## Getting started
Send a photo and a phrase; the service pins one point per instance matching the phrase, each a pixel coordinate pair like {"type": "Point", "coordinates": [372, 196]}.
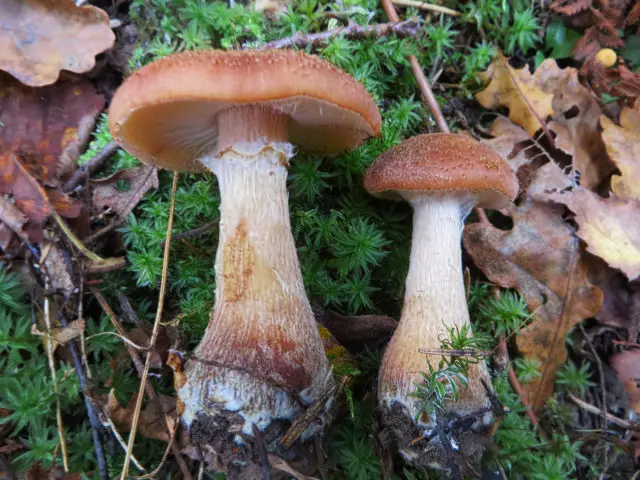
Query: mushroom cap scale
{"type": "Point", "coordinates": [165, 113]}
{"type": "Point", "coordinates": [442, 163]}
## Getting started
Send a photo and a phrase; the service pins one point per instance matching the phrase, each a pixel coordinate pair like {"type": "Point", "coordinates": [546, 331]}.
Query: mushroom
{"type": "Point", "coordinates": [442, 176]}
{"type": "Point", "coordinates": [260, 362]}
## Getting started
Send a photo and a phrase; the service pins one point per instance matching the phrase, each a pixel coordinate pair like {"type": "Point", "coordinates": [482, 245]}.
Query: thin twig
{"type": "Point", "coordinates": [52, 369]}
{"type": "Point", "coordinates": [139, 366]}
{"type": "Point", "coordinates": [427, 6]}
{"type": "Point", "coordinates": [195, 232]}
{"type": "Point", "coordinates": [425, 88]}
{"type": "Point", "coordinates": [122, 443]}
{"type": "Point", "coordinates": [407, 28]}
{"type": "Point", "coordinates": [154, 333]}
{"type": "Point", "coordinates": [597, 411]}
{"type": "Point", "coordinates": [75, 240]}
{"type": "Point", "coordinates": [88, 168]}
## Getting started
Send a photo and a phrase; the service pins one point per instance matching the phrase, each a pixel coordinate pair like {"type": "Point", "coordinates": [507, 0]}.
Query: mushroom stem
{"type": "Point", "coordinates": [261, 357]}
{"type": "Point", "coordinates": [434, 303]}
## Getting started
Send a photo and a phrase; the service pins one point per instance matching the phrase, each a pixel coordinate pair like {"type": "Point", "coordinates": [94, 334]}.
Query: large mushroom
{"type": "Point", "coordinates": [442, 176]}
{"type": "Point", "coordinates": [261, 362]}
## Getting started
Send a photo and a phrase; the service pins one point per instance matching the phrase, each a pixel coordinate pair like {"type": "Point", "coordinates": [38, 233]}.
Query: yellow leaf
{"type": "Point", "coordinates": [623, 146]}
{"type": "Point", "coordinates": [518, 90]}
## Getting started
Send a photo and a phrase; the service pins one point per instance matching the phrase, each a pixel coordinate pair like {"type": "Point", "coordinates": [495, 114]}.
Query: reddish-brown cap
{"type": "Point", "coordinates": [444, 162]}
{"type": "Point", "coordinates": [165, 113]}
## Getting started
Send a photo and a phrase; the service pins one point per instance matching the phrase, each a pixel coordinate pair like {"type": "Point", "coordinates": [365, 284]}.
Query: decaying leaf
{"type": "Point", "coordinates": [529, 101]}
{"type": "Point", "coordinates": [540, 258]}
{"type": "Point", "coordinates": [38, 38]}
{"type": "Point", "coordinates": [150, 425]}
{"type": "Point", "coordinates": [46, 127]}
{"type": "Point", "coordinates": [356, 332]}
{"type": "Point", "coordinates": [623, 146]}
{"type": "Point", "coordinates": [627, 365]}
{"type": "Point", "coordinates": [606, 225]}
{"type": "Point", "coordinates": [57, 267]}
{"type": "Point", "coordinates": [621, 306]}
{"type": "Point", "coordinates": [31, 198]}
{"type": "Point", "coordinates": [61, 335]}
{"type": "Point", "coordinates": [42, 132]}
{"type": "Point", "coordinates": [12, 217]}
{"type": "Point", "coordinates": [122, 191]}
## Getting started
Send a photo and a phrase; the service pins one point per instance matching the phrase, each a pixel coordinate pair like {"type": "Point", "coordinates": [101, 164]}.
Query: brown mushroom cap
{"type": "Point", "coordinates": [443, 162]}
{"type": "Point", "coordinates": [165, 113]}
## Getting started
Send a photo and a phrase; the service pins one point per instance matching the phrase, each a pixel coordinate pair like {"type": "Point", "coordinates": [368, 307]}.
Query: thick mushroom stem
{"type": "Point", "coordinates": [434, 303]}
{"type": "Point", "coordinates": [261, 359]}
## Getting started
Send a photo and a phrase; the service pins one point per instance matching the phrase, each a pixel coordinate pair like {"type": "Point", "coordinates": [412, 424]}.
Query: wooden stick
{"type": "Point", "coordinates": [427, 6]}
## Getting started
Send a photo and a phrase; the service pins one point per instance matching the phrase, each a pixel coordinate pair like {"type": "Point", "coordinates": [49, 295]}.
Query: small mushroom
{"type": "Point", "coordinates": [260, 363]}
{"type": "Point", "coordinates": [443, 176]}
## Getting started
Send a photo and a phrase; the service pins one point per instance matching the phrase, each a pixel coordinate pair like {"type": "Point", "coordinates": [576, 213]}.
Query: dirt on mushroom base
{"type": "Point", "coordinates": [452, 445]}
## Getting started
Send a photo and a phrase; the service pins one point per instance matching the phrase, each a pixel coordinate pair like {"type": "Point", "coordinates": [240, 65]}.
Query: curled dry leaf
{"type": "Point", "coordinates": [38, 38]}
{"type": "Point", "coordinates": [606, 226]}
{"type": "Point", "coordinates": [540, 258]}
{"type": "Point", "coordinates": [512, 88]}
{"type": "Point", "coordinates": [627, 365]}
{"type": "Point", "coordinates": [149, 424]}
{"type": "Point", "coordinates": [122, 191]}
{"type": "Point", "coordinates": [623, 146]}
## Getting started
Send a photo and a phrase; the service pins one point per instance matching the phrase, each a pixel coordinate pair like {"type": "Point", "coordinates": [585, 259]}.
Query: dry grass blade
{"type": "Point", "coordinates": [427, 6]}
{"type": "Point", "coordinates": [52, 368]}
{"type": "Point", "coordinates": [154, 334]}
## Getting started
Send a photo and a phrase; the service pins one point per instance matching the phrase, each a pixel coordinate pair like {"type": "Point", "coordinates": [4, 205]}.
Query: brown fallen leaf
{"type": "Point", "coordinates": [627, 365]}
{"type": "Point", "coordinates": [607, 227]}
{"type": "Point", "coordinates": [138, 181]}
{"type": "Point", "coordinates": [38, 38]}
{"type": "Point", "coordinates": [623, 146]}
{"type": "Point", "coordinates": [621, 306]}
{"type": "Point", "coordinates": [35, 202]}
{"type": "Point", "coordinates": [149, 424]}
{"type": "Point", "coordinates": [576, 117]}
{"type": "Point", "coordinates": [529, 101]}
{"type": "Point", "coordinates": [12, 217]}
{"type": "Point", "coordinates": [46, 127]}
{"type": "Point", "coordinates": [540, 258]}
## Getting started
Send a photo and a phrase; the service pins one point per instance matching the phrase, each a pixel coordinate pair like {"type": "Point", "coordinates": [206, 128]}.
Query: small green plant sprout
{"type": "Point", "coordinates": [239, 114]}
{"type": "Point", "coordinates": [527, 369]}
{"type": "Point", "coordinates": [573, 378]}
{"type": "Point", "coordinates": [435, 300]}
{"type": "Point", "coordinates": [502, 315]}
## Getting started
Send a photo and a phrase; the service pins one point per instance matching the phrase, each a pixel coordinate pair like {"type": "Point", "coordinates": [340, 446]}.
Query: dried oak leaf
{"type": "Point", "coordinates": [540, 258]}
{"type": "Point", "coordinates": [529, 101]}
{"type": "Point", "coordinates": [607, 226]}
{"type": "Point", "coordinates": [627, 365]}
{"type": "Point", "coordinates": [122, 191]}
{"type": "Point", "coordinates": [575, 121]}
{"type": "Point", "coordinates": [150, 425]}
{"type": "Point", "coordinates": [39, 38]}
{"type": "Point", "coordinates": [623, 146]}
